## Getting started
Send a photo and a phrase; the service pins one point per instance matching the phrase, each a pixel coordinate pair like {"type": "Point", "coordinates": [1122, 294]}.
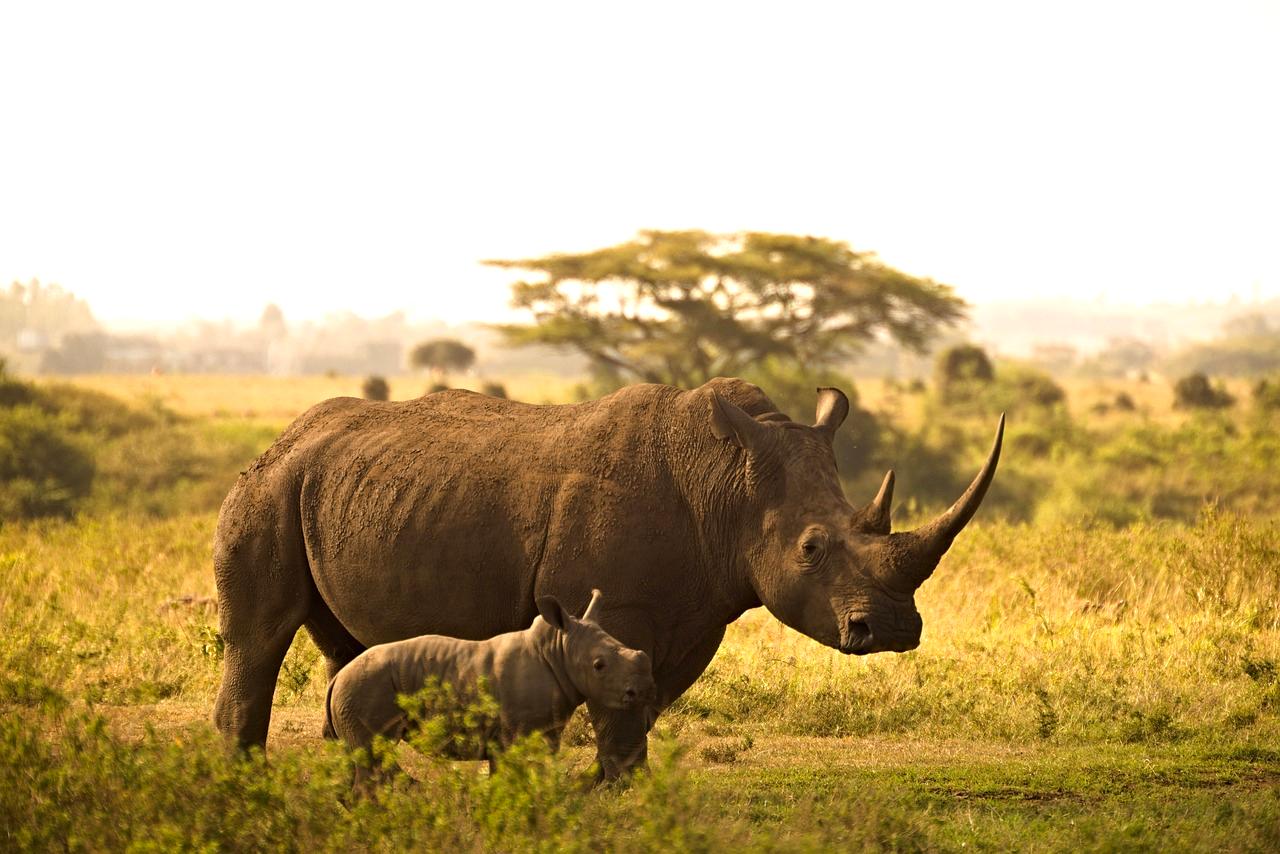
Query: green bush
{"type": "Point", "coordinates": [1266, 395]}
{"type": "Point", "coordinates": [1195, 392]}
{"type": "Point", "coordinates": [65, 448]}
{"type": "Point", "coordinates": [45, 469]}
{"type": "Point", "coordinates": [962, 369]}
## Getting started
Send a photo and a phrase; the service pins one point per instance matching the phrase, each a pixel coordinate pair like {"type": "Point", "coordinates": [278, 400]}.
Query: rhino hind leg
{"type": "Point", "coordinates": [333, 640]}
{"type": "Point", "coordinates": [262, 603]}
{"type": "Point", "coordinates": [242, 711]}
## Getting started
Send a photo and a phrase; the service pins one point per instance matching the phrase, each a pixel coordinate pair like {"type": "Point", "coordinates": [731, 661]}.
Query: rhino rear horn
{"type": "Point", "coordinates": [921, 549]}
{"type": "Point", "coordinates": [833, 408]}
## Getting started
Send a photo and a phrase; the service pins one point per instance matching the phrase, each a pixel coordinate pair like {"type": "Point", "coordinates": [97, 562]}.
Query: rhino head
{"type": "Point", "coordinates": [597, 664]}
{"type": "Point", "coordinates": [832, 571]}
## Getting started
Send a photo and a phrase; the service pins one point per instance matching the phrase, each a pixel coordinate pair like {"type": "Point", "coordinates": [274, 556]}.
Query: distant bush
{"type": "Point", "coordinates": [64, 449]}
{"type": "Point", "coordinates": [375, 388]}
{"type": "Point", "coordinates": [960, 369]}
{"type": "Point", "coordinates": [435, 387]}
{"type": "Point", "coordinates": [1122, 402]}
{"type": "Point", "coordinates": [1195, 392]}
{"type": "Point", "coordinates": [13, 391]}
{"type": "Point", "coordinates": [494, 389]}
{"type": "Point", "coordinates": [1266, 395]}
{"type": "Point", "coordinates": [1034, 387]}
{"type": "Point", "coordinates": [44, 469]}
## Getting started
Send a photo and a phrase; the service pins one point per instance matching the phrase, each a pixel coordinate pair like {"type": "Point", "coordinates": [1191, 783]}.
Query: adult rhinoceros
{"type": "Point", "coordinates": [369, 522]}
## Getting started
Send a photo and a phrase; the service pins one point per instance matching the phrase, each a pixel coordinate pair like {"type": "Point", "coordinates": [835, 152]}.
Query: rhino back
{"type": "Point", "coordinates": [442, 515]}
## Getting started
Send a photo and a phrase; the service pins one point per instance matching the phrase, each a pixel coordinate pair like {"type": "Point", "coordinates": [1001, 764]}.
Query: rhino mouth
{"type": "Point", "coordinates": [856, 637]}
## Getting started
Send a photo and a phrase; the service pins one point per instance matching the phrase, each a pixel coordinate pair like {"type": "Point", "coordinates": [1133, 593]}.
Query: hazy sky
{"type": "Point", "coordinates": [172, 160]}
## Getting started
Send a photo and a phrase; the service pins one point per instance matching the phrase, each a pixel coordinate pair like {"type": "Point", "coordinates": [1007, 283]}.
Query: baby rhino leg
{"type": "Point", "coordinates": [357, 712]}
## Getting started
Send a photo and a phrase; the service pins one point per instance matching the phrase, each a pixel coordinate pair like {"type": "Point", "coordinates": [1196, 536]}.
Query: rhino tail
{"type": "Point", "coordinates": [329, 731]}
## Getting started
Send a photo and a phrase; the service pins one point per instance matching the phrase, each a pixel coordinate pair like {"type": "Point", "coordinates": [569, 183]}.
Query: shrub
{"type": "Point", "coordinates": [1036, 388]}
{"type": "Point", "coordinates": [1266, 395]}
{"type": "Point", "coordinates": [13, 391]}
{"type": "Point", "coordinates": [960, 368]}
{"type": "Point", "coordinates": [44, 469]}
{"type": "Point", "coordinates": [435, 387]}
{"type": "Point", "coordinates": [494, 389]}
{"type": "Point", "coordinates": [375, 388]}
{"type": "Point", "coordinates": [1195, 392]}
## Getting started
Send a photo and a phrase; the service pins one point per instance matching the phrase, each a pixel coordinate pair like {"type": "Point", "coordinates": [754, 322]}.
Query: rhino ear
{"type": "Point", "coordinates": [833, 407]}
{"type": "Point", "coordinates": [731, 424]}
{"type": "Point", "coordinates": [549, 608]}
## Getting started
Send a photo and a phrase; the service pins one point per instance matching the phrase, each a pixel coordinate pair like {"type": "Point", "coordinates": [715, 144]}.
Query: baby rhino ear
{"type": "Point", "coordinates": [549, 608]}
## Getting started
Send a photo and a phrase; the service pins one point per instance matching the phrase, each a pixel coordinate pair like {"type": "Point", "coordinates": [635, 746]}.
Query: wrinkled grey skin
{"type": "Point", "coordinates": [369, 522]}
{"type": "Point", "coordinates": [537, 677]}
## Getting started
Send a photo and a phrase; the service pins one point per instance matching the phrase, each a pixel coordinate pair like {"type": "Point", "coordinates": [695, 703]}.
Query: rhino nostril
{"type": "Point", "coordinates": [859, 634]}
{"type": "Point", "coordinates": [630, 693]}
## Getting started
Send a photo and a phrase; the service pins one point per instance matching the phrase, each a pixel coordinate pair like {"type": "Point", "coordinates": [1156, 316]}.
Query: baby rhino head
{"type": "Point", "coordinates": [600, 667]}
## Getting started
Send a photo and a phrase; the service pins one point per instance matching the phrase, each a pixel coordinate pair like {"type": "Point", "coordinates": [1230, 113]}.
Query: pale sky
{"type": "Point", "coordinates": [170, 160]}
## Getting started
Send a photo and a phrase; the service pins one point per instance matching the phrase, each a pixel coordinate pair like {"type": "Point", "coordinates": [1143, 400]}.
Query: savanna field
{"type": "Point", "coordinates": [1100, 665]}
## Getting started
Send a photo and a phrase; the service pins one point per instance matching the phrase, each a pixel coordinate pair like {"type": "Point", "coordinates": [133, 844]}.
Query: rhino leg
{"type": "Point", "coordinates": [264, 597]}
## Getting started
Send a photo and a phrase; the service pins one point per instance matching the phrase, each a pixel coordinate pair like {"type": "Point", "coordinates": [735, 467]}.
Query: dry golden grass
{"type": "Point", "coordinates": [270, 398]}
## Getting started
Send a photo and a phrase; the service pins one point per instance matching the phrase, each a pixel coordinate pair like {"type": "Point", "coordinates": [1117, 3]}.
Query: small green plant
{"type": "Point", "coordinates": [1046, 717]}
{"type": "Point", "coordinates": [211, 644]}
{"type": "Point", "coordinates": [444, 722]}
{"type": "Point", "coordinates": [295, 672]}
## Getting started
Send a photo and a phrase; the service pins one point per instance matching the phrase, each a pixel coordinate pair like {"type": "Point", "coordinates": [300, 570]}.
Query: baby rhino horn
{"type": "Point", "coordinates": [593, 607]}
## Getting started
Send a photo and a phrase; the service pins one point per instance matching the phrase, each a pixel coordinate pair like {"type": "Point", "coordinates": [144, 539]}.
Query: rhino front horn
{"type": "Point", "coordinates": [924, 547]}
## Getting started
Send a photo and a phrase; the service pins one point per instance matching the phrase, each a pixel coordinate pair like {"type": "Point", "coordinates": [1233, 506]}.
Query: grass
{"type": "Point", "coordinates": [1080, 686]}
{"type": "Point", "coordinates": [278, 400]}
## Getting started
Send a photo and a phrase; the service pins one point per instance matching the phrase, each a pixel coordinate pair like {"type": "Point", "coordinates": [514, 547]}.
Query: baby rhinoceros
{"type": "Point", "coordinates": [537, 678]}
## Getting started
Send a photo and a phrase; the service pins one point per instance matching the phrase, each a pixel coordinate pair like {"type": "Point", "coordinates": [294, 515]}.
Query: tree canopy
{"type": "Point", "coordinates": [442, 355]}
{"type": "Point", "coordinates": [683, 306]}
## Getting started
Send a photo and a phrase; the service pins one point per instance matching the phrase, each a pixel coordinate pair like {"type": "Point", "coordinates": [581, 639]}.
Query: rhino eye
{"type": "Point", "coordinates": [811, 548]}
{"type": "Point", "coordinates": [598, 664]}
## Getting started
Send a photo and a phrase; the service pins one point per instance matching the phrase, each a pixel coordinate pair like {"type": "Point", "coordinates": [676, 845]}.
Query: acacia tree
{"type": "Point", "coordinates": [441, 355]}
{"type": "Point", "coordinates": [682, 307]}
